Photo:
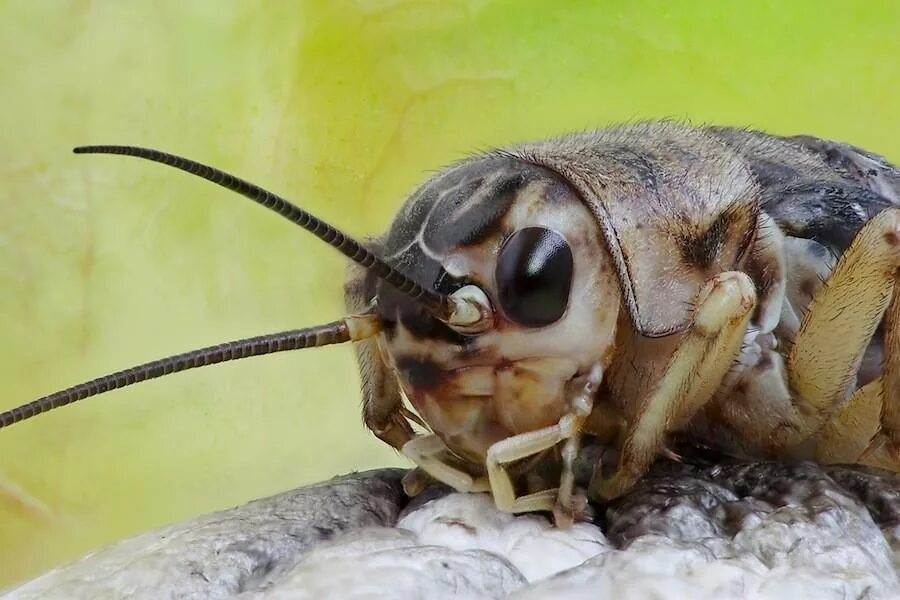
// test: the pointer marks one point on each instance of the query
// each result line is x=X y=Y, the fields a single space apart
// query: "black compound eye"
x=534 y=276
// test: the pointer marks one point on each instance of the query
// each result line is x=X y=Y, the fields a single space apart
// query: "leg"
x=516 y=448
x=383 y=410
x=837 y=330
x=416 y=481
x=568 y=506
x=381 y=398
x=521 y=446
x=865 y=429
x=426 y=452
x=884 y=449
x=849 y=433
x=890 y=376
x=693 y=375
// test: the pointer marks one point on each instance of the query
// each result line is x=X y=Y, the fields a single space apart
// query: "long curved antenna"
x=335 y=332
x=442 y=307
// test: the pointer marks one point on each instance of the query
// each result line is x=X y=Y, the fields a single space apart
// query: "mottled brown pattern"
x=674 y=206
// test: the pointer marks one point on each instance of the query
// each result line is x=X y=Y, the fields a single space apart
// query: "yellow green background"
x=342 y=106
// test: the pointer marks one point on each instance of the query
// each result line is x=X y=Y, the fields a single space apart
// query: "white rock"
x=760 y=531
x=536 y=548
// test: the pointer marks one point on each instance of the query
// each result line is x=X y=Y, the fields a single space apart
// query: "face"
x=525 y=239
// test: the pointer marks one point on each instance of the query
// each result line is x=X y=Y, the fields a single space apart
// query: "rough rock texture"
x=225 y=554
x=752 y=530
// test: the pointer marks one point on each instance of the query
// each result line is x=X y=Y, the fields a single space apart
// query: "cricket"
x=632 y=287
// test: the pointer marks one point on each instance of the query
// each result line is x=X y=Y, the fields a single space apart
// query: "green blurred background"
x=343 y=107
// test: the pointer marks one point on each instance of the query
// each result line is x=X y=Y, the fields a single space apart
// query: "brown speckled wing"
x=816 y=189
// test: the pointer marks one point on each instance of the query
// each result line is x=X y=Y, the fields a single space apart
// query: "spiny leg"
x=836 y=331
x=428 y=452
x=694 y=373
x=568 y=429
x=865 y=429
x=382 y=402
x=890 y=377
x=392 y=427
x=849 y=433
x=565 y=511
x=381 y=398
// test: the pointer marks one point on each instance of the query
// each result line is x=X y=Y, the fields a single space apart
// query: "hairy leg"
x=693 y=375
x=834 y=336
x=865 y=430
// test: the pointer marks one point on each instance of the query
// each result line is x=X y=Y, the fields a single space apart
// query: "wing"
x=816 y=189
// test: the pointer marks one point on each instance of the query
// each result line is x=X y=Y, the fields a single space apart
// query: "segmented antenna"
x=323 y=335
x=439 y=305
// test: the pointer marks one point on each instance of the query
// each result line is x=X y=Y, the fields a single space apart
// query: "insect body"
x=633 y=284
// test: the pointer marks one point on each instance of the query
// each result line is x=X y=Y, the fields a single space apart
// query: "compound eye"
x=534 y=276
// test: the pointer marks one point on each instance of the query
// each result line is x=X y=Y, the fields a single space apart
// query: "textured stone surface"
x=756 y=530
x=225 y=554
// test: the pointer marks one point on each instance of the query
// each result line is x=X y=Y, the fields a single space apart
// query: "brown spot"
x=504 y=364
x=457 y=523
x=701 y=248
x=422 y=374
x=891 y=238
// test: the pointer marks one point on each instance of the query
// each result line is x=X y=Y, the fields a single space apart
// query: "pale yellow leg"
x=847 y=435
x=693 y=375
x=890 y=416
x=566 y=509
x=837 y=330
x=427 y=453
x=542 y=501
x=516 y=448
x=865 y=430
x=521 y=446
x=416 y=481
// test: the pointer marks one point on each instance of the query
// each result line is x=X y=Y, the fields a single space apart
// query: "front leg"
x=383 y=410
x=381 y=398
x=693 y=375
x=561 y=501
x=430 y=454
